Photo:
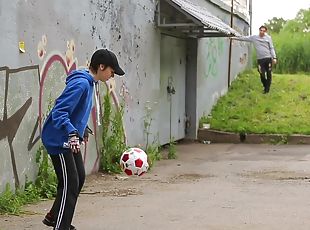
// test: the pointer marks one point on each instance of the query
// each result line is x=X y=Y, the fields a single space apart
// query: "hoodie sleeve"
x=66 y=104
x=244 y=38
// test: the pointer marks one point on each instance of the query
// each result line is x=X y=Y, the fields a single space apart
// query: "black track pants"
x=70 y=173
x=265 y=67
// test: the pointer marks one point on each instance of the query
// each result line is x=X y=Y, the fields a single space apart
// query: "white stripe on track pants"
x=70 y=171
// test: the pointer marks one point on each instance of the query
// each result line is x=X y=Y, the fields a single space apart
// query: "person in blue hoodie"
x=66 y=127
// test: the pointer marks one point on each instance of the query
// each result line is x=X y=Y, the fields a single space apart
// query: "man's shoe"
x=49 y=221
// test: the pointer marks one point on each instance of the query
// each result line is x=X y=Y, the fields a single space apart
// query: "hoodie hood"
x=84 y=73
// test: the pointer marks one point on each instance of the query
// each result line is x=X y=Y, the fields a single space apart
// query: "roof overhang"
x=190 y=18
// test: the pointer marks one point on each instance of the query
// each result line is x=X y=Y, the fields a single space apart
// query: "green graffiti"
x=215 y=49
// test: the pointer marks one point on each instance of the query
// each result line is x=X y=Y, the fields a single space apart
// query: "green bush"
x=293 y=52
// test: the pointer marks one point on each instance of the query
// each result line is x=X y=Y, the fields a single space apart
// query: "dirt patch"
x=111 y=185
x=277 y=175
x=114 y=192
x=184 y=178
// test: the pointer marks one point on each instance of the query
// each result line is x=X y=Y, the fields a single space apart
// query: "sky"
x=267 y=9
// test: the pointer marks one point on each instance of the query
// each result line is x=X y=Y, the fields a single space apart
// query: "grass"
x=245 y=109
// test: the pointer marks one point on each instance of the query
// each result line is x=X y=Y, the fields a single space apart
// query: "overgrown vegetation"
x=44 y=187
x=113 y=137
x=293 y=52
x=292 y=42
x=46 y=181
x=244 y=109
x=153 y=150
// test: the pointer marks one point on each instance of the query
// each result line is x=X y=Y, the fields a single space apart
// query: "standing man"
x=64 y=130
x=266 y=55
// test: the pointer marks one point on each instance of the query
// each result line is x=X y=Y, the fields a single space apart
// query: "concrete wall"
x=212 y=64
x=60 y=37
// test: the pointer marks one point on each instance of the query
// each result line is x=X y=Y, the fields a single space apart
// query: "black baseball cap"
x=106 y=57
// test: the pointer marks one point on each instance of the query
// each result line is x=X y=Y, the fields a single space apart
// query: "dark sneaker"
x=49 y=221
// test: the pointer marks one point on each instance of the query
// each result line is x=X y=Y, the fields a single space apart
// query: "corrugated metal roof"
x=198 y=10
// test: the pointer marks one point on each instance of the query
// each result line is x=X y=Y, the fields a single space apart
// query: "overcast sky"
x=267 y=9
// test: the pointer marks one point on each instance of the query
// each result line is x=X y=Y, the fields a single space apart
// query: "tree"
x=303 y=17
x=301 y=23
x=275 y=24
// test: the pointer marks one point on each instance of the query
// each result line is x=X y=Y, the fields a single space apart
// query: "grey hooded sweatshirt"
x=263 y=45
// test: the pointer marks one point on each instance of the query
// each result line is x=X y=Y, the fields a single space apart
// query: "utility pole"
x=230 y=42
x=250 y=65
x=250 y=13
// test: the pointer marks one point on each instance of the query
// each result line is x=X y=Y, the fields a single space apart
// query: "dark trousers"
x=70 y=171
x=265 y=68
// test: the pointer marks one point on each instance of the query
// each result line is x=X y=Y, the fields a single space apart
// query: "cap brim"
x=119 y=71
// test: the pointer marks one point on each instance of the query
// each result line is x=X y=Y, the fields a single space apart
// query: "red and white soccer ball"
x=134 y=162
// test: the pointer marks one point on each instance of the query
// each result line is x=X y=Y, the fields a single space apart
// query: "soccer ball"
x=134 y=162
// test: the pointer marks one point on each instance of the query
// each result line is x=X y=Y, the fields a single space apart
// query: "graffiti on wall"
x=215 y=50
x=20 y=112
x=9 y=125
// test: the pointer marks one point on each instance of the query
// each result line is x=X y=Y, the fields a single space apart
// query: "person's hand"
x=274 y=61
x=86 y=134
x=74 y=142
x=85 y=137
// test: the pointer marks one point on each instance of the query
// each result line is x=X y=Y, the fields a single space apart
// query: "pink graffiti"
x=48 y=64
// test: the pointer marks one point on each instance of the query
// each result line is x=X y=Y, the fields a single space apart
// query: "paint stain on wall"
x=42 y=47
x=215 y=50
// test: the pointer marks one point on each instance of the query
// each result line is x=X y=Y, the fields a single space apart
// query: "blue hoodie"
x=70 y=112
